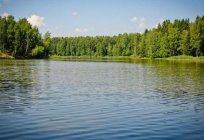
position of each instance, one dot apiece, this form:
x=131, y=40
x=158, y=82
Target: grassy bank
x=4, y=55
x=180, y=57
x=184, y=57
x=91, y=57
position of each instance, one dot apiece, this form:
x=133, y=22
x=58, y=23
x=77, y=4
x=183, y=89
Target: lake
x=141, y=99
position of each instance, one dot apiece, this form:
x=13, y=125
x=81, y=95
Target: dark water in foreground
x=148, y=99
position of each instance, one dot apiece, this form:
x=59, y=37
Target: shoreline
x=57, y=57
x=180, y=57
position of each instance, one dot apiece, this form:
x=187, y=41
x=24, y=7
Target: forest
x=20, y=39
x=169, y=38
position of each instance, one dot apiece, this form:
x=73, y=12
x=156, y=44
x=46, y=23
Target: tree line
x=180, y=37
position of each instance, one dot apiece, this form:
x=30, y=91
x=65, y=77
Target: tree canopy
x=18, y=38
x=180, y=37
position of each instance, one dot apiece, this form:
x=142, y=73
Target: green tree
x=196, y=37
x=3, y=34
x=185, y=42
x=10, y=33
x=173, y=38
x=164, y=46
x=38, y=52
x=46, y=43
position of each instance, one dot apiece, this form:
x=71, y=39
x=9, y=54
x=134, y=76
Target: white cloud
x=5, y=14
x=81, y=30
x=142, y=23
x=160, y=22
x=74, y=13
x=56, y=27
x=37, y=21
x=139, y=21
x=133, y=19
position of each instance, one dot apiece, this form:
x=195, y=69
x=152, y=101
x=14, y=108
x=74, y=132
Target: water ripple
x=41, y=99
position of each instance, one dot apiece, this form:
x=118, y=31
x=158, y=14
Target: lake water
x=145, y=99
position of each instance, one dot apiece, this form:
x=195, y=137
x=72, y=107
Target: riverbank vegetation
x=177, y=38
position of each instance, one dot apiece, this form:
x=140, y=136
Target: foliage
x=180, y=37
x=18, y=38
x=38, y=52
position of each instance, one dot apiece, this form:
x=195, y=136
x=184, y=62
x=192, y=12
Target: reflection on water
x=144, y=99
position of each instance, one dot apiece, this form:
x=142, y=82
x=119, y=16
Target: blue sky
x=99, y=17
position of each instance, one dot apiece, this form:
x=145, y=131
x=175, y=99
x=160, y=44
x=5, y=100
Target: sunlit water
x=148, y=99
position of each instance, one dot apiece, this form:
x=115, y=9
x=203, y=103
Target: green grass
x=57, y=57
x=177, y=58
x=90, y=57
x=181, y=57
x=185, y=57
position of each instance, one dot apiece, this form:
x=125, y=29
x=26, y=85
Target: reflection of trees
x=16, y=84
x=178, y=80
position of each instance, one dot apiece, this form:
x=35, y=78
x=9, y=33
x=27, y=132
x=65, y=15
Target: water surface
x=146, y=99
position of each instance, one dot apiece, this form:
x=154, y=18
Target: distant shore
x=180, y=57
x=4, y=55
